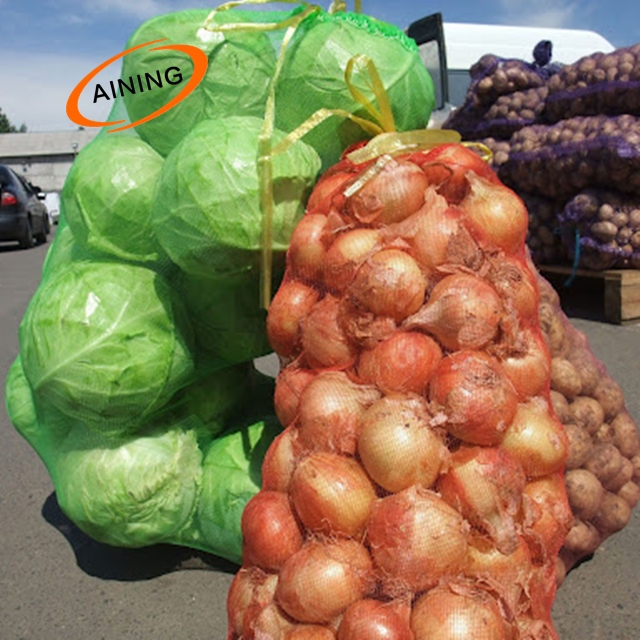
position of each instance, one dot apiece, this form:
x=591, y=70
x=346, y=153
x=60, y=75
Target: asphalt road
x=55, y=582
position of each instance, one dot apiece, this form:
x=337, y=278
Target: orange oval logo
x=200, y=64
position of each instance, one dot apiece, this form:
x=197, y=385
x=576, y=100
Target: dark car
x=23, y=215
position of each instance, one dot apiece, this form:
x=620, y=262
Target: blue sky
x=47, y=46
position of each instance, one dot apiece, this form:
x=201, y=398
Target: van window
x=459, y=82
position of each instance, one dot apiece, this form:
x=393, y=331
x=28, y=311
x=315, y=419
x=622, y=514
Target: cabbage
x=236, y=83
x=231, y=477
x=106, y=343
x=228, y=321
x=134, y=493
x=107, y=197
x=206, y=213
x=313, y=78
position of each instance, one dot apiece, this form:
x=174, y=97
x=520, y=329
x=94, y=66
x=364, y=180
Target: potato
x=605, y=462
x=604, y=435
x=553, y=329
x=609, y=395
x=565, y=378
x=613, y=515
x=583, y=538
x=586, y=413
x=621, y=478
x=560, y=406
x=635, y=461
x=580, y=446
x=625, y=435
x=584, y=492
x=587, y=371
x=630, y=493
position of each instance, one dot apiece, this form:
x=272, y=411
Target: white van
x=449, y=49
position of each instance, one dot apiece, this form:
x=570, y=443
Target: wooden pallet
x=621, y=297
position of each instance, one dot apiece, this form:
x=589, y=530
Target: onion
x=389, y=283
x=416, y=538
x=529, y=371
x=346, y=254
x=310, y=632
x=476, y=396
x=271, y=623
x=321, y=580
x=463, y=312
x=270, y=532
x=498, y=216
x=397, y=446
x=289, y=306
x=517, y=284
x=507, y=574
x=323, y=341
x=450, y=613
x=405, y=363
x=391, y=195
x=321, y=198
x=485, y=485
x=290, y=383
x=251, y=590
x=537, y=439
x=362, y=327
x=548, y=517
x=332, y=495
x=375, y=620
x=330, y=410
x=280, y=460
x=306, y=251
x=447, y=167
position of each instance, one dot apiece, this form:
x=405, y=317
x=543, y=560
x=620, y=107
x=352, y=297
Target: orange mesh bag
x=417, y=489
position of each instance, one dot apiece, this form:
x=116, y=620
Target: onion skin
x=324, y=343
x=391, y=195
x=529, y=372
x=321, y=580
x=270, y=532
x=416, y=538
x=498, y=216
x=309, y=632
x=403, y=363
x=448, y=166
x=390, y=283
x=448, y=614
x=290, y=383
x=537, y=439
x=375, y=620
x=397, y=446
x=280, y=460
x=306, y=253
x=347, y=252
x=485, y=485
x=332, y=495
x=289, y=306
x=329, y=185
x=251, y=590
x=462, y=312
x=330, y=410
x=478, y=399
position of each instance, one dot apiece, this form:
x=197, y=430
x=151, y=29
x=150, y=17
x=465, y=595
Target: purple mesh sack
x=543, y=239
x=605, y=227
x=557, y=161
x=508, y=114
x=597, y=84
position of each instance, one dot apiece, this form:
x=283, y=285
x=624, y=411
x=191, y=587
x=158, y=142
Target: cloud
x=544, y=13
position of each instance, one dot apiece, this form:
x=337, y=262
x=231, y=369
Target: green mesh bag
x=313, y=78
x=236, y=83
x=135, y=381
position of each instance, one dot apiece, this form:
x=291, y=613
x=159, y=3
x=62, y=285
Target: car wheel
x=41, y=237
x=26, y=242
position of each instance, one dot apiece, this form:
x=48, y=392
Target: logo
x=200, y=64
